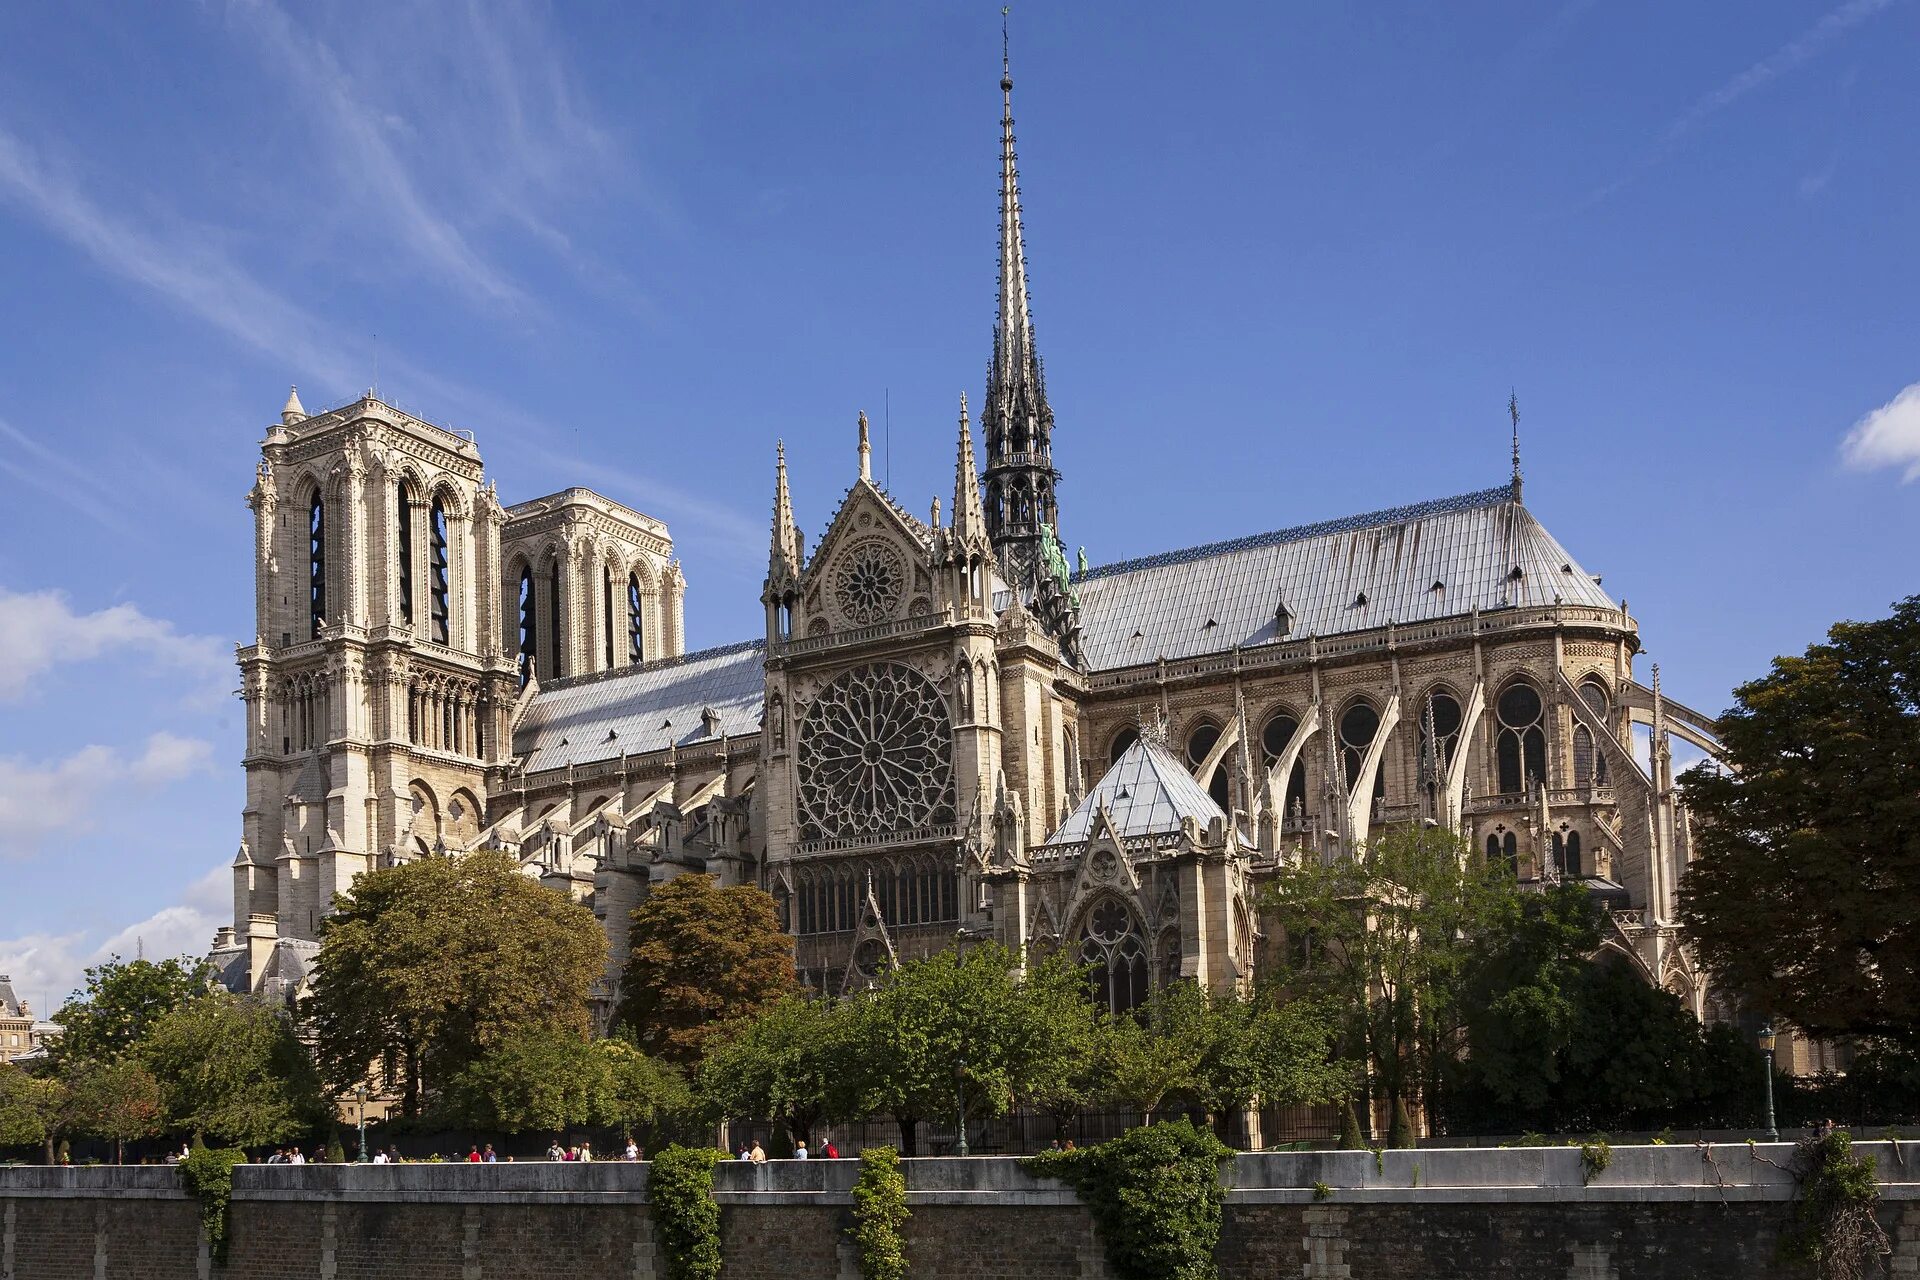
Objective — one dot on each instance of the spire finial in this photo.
(1513, 412)
(1006, 62)
(866, 450)
(293, 411)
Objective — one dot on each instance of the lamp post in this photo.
(361, 1093)
(960, 1099)
(1766, 1047)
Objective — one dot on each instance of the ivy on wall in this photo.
(1155, 1196)
(208, 1174)
(686, 1217)
(1835, 1230)
(879, 1213)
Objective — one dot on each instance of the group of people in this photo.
(757, 1154)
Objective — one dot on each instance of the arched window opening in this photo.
(1521, 751)
(1493, 850)
(529, 626)
(437, 584)
(1358, 725)
(1594, 694)
(1510, 851)
(316, 566)
(555, 666)
(1110, 943)
(1200, 744)
(1440, 719)
(636, 634)
(1559, 845)
(1121, 741)
(1274, 738)
(606, 614)
(403, 546)
(1573, 867)
(1582, 756)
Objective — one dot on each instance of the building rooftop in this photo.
(638, 709)
(1146, 793)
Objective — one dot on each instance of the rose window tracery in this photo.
(875, 755)
(869, 581)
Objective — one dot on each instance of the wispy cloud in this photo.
(1796, 52)
(40, 800)
(55, 473)
(41, 630)
(48, 967)
(1888, 437)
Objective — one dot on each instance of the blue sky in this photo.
(1287, 262)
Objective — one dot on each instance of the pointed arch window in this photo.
(438, 581)
(1121, 741)
(1574, 868)
(1440, 719)
(1111, 945)
(606, 612)
(1358, 725)
(1510, 853)
(1200, 744)
(1521, 751)
(555, 667)
(403, 548)
(636, 632)
(1274, 738)
(1589, 763)
(529, 626)
(316, 565)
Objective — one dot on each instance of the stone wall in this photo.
(1657, 1213)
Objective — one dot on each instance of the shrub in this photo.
(1834, 1230)
(1155, 1197)
(879, 1212)
(1596, 1153)
(208, 1174)
(686, 1217)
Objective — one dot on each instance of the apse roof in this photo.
(1146, 793)
(634, 710)
(1407, 564)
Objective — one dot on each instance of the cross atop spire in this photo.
(1513, 411)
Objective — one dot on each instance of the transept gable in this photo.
(871, 566)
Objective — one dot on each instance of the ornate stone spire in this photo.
(866, 450)
(969, 519)
(783, 562)
(1016, 418)
(1513, 411)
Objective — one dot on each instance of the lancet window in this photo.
(1279, 731)
(556, 667)
(403, 550)
(1200, 744)
(438, 575)
(636, 630)
(1439, 738)
(607, 615)
(1358, 725)
(316, 565)
(1589, 764)
(529, 626)
(1521, 749)
(1111, 945)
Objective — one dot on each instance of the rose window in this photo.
(869, 582)
(875, 755)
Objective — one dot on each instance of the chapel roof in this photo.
(9, 1002)
(1435, 559)
(637, 709)
(1146, 793)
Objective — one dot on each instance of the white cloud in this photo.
(46, 968)
(39, 630)
(40, 800)
(1888, 437)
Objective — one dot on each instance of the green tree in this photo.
(1238, 1049)
(1522, 1007)
(541, 1080)
(639, 1092)
(118, 1101)
(785, 1064)
(702, 957)
(30, 1108)
(1137, 1068)
(1384, 936)
(122, 1001)
(1062, 1070)
(431, 963)
(231, 1068)
(1804, 894)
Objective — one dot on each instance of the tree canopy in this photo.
(229, 1067)
(702, 956)
(1804, 894)
(121, 1002)
(433, 962)
(542, 1080)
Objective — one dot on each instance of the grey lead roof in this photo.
(1407, 564)
(9, 1003)
(634, 710)
(1146, 793)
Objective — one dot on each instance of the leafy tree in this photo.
(1064, 1069)
(231, 1067)
(30, 1108)
(117, 1100)
(542, 1080)
(702, 957)
(1522, 1010)
(433, 962)
(1240, 1049)
(122, 1001)
(1804, 894)
(1383, 936)
(783, 1065)
(1137, 1068)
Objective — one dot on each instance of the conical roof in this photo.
(1147, 792)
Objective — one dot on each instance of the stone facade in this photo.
(946, 733)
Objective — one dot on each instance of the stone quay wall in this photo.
(1656, 1212)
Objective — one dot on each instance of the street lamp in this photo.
(960, 1098)
(1766, 1047)
(360, 1092)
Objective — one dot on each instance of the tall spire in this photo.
(1015, 417)
(1513, 411)
(969, 520)
(783, 562)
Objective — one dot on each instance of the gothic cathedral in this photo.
(947, 732)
